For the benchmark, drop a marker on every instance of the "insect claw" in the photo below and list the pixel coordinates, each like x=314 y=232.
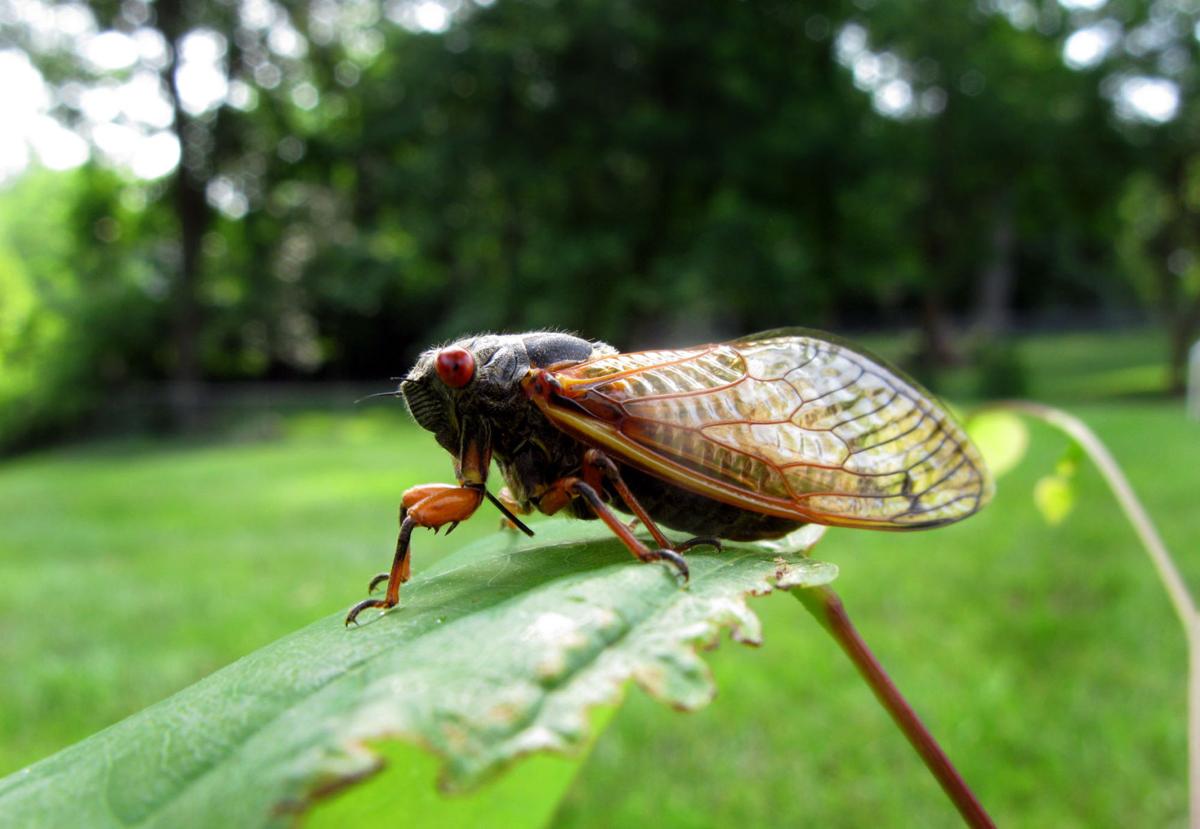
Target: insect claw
x=699 y=541
x=352 y=616
x=673 y=558
x=375 y=582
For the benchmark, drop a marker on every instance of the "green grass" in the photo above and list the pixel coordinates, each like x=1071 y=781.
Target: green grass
x=1076 y=368
x=1046 y=660
x=132 y=569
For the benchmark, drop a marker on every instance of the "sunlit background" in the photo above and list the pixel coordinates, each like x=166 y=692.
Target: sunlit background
x=222 y=222
x=266 y=191
x=125 y=110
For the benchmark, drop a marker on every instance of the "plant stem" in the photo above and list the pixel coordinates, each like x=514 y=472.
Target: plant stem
x=1194 y=729
x=1168 y=573
x=826 y=606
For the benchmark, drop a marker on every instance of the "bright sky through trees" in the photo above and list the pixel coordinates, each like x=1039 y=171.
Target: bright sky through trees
x=332 y=177
x=125 y=114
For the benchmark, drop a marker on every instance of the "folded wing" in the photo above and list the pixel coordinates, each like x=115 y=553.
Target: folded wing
x=789 y=424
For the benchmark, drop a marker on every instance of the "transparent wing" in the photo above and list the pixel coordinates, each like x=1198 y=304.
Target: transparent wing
x=790 y=424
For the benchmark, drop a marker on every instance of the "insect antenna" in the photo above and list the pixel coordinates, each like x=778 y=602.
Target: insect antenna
x=378 y=394
x=394 y=393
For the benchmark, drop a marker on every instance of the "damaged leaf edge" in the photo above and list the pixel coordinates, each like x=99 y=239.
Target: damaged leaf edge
x=326 y=782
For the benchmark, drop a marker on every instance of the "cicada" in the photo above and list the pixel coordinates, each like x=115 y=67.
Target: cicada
x=741 y=440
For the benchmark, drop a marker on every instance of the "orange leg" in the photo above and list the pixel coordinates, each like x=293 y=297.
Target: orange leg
x=416 y=494
x=597 y=465
x=429 y=505
x=566 y=489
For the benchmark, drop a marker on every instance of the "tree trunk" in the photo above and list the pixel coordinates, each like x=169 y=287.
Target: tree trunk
x=993 y=313
x=1184 y=330
x=937 y=337
x=186 y=390
x=194 y=216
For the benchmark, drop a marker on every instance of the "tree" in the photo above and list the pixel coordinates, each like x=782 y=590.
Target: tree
x=1154 y=81
x=1012 y=153
x=207 y=65
x=1159 y=240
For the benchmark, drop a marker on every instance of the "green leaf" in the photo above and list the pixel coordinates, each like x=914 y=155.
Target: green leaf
x=1001 y=437
x=1068 y=464
x=1054 y=497
x=499 y=651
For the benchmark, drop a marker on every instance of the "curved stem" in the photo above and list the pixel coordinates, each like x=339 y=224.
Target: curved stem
x=1168 y=573
x=825 y=605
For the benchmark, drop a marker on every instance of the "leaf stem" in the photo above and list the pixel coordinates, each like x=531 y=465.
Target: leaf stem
x=1168 y=572
x=826 y=606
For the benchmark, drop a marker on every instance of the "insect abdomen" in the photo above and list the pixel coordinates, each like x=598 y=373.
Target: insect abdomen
x=687 y=512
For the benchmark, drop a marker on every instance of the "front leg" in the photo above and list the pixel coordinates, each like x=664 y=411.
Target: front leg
x=429 y=505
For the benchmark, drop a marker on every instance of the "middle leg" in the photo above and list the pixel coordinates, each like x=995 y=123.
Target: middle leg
x=567 y=488
x=598 y=467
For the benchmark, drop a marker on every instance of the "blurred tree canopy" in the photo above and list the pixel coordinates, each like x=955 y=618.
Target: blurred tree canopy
x=362 y=179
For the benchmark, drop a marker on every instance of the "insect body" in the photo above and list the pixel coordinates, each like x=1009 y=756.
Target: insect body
x=742 y=440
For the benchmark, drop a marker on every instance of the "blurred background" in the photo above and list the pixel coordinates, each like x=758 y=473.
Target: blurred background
x=221 y=222
x=203 y=193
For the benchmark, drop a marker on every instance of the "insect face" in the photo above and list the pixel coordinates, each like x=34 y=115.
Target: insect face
x=436 y=386
x=478 y=379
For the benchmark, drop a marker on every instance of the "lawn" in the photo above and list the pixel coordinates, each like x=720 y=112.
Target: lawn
x=1046 y=659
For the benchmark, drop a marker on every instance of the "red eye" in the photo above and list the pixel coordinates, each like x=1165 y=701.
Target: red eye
x=455 y=366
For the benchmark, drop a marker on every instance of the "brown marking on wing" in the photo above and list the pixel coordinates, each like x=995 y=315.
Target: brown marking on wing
x=792 y=425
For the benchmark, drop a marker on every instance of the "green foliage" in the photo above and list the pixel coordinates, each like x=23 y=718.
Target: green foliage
x=34 y=326
x=1158 y=245
x=498 y=652
x=1156 y=219
x=1054 y=498
x=1054 y=494
x=1001 y=437
x=1002 y=371
x=80 y=301
x=597 y=166
x=1080 y=367
x=525 y=796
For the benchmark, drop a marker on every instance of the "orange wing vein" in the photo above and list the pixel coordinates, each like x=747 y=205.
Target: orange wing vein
x=787 y=424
